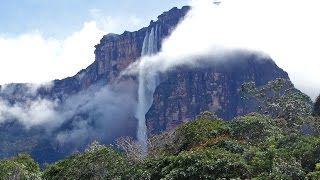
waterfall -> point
(150, 42)
(147, 85)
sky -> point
(62, 17)
(42, 40)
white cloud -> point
(116, 24)
(33, 58)
(29, 113)
(287, 30)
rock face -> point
(181, 95)
(185, 93)
(115, 52)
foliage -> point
(199, 164)
(19, 167)
(102, 163)
(279, 98)
(194, 132)
(316, 173)
(131, 148)
(256, 128)
(162, 144)
(254, 146)
(270, 164)
(206, 115)
(310, 125)
(283, 143)
(306, 149)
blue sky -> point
(42, 40)
(61, 17)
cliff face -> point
(180, 96)
(185, 93)
(115, 52)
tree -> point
(305, 149)
(255, 128)
(194, 133)
(316, 107)
(279, 98)
(316, 173)
(19, 167)
(207, 115)
(97, 162)
(210, 163)
(131, 148)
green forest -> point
(279, 141)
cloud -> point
(29, 113)
(101, 112)
(115, 24)
(28, 107)
(286, 30)
(33, 58)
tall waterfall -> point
(150, 42)
(147, 85)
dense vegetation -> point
(251, 146)
(284, 144)
(20, 167)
